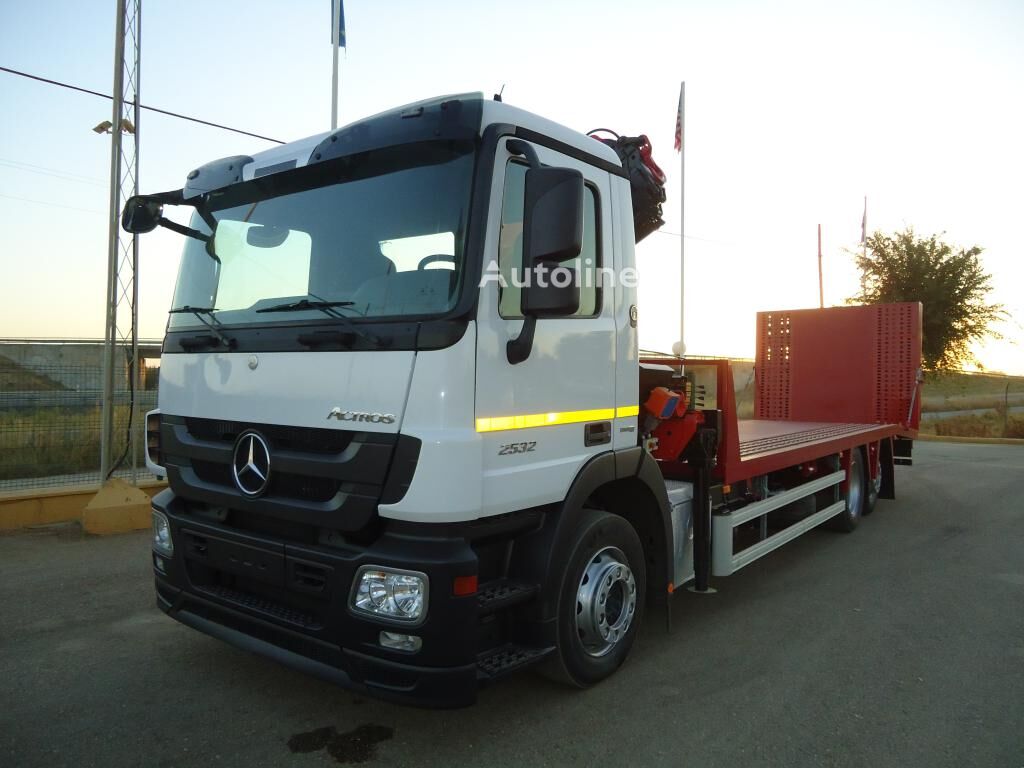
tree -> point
(950, 282)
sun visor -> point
(214, 175)
(450, 118)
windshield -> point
(374, 235)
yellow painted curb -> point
(24, 509)
(117, 507)
(978, 440)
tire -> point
(856, 495)
(873, 487)
(600, 602)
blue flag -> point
(340, 23)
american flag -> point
(679, 123)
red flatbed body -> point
(766, 446)
(826, 381)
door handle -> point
(597, 433)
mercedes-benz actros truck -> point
(410, 440)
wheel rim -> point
(855, 492)
(605, 602)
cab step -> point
(495, 595)
(506, 659)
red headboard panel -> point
(841, 364)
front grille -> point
(281, 438)
(212, 472)
(286, 484)
(304, 486)
(319, 478)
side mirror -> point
(552, 214)
(552, 233)
(553, 292)
(141, 215)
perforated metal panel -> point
(898, 352)
(772, 369)
(851, 365)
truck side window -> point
(510, 247)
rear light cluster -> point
(153, 452)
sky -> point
(795, 111)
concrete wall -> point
(74, 366)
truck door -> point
(542, 419)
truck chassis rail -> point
(724, 561)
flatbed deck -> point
(768, 445)
(752, 447)
(759, 438)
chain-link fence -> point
(50, 405)
(51, 398)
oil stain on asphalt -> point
(356, 746)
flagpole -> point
(864, 229)
(682, 215)
(821, 288)
(336, 43)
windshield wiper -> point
(199, 312)
(327, 307)
(303, 304)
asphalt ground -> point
(901, 644)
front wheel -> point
(601, 601)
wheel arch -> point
(625, 483)
(635, 500)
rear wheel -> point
(856, 495)
(601, 600)
(873, 486)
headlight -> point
(392, 594)
(162, 541)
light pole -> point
(122, 252)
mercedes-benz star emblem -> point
(250, 465)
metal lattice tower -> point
(121, 335)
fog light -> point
(400, 642)
(162, 541)
(390, 593)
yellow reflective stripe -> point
(530, 420)
(527, 421)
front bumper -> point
(394, 681)
(290, 602)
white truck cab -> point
(341, 393)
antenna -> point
(497, 96)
